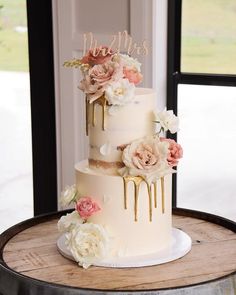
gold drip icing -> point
(87, 114)
(103, 103)
(137, 181)
(93, 114)
(163, 194)
(155, 194)
(149, 187)
(125, 180)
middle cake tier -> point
(111, 131)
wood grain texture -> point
(33, 253)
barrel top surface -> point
(33, 253)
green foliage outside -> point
(209, 36)
(13, 44)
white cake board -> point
(181, 245)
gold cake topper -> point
(120, 42)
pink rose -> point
(97, 56)
(86, 207)
(175, 152)
(133, 75)
(102, 74)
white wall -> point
(143, 19)
(159, 57)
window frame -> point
(176, 77)
(43, 123)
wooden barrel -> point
(31, 265)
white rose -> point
(88, 243)
(68, 195)
(167, 120)
(120, 93)
(128, 61)
(146, 157)
(69, 221)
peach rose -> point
(96, 57)
(133, 75)
(102, 74)
(146, 157)
(86, 207)
(175, 151)
(91, 88)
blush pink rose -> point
(133, 75)
(146, 157)
(86, 207)
(102, 74)
(175, 151)
(97, 57)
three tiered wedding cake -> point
(122, 194)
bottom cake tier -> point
(136, 215)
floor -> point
(206, 175)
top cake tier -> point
(111, 131)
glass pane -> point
(209, 36)
(207, 172)
(16, 186)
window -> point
(202, 91)
(23, 108)
(16, 184)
